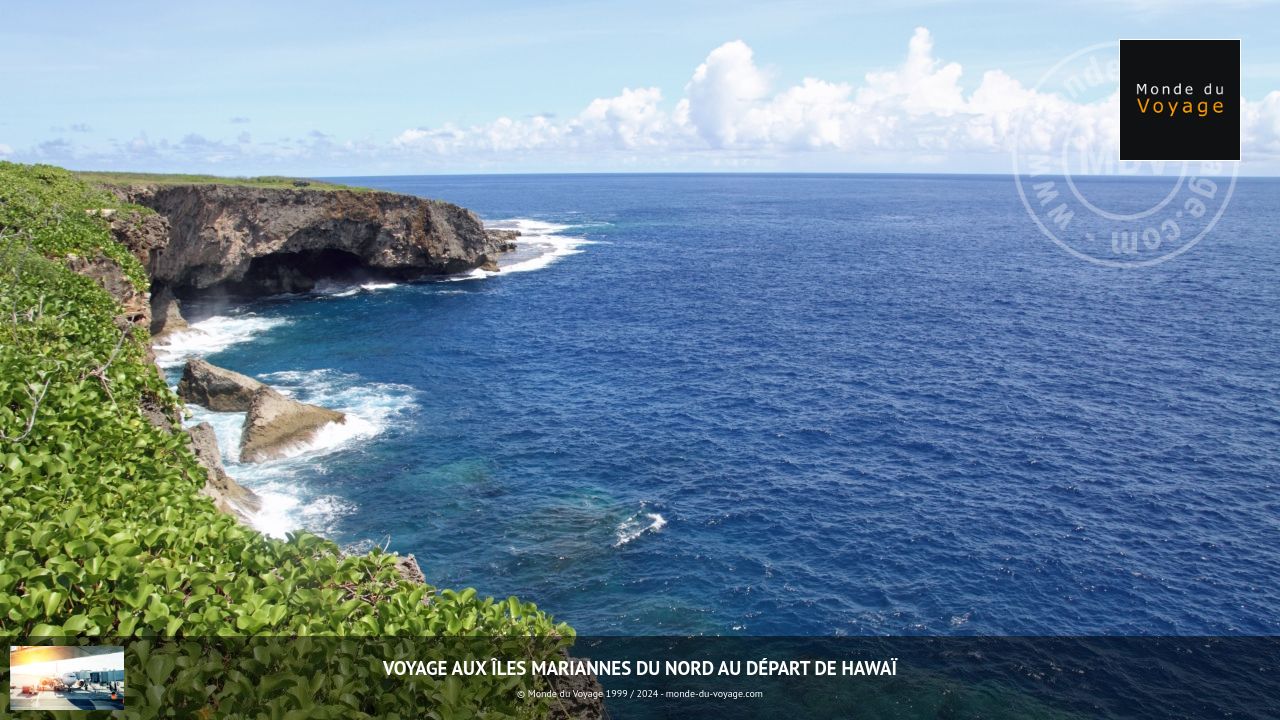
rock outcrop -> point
(144, 234)
(249, 241)
(407, 567)
(228, 495)
(274, 423)
(166, 314)
(107, 273)
(216, 388)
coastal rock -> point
(250, 241)
(216, 388)
(407, 566)
(503, 240)
(228, 495)
(275, 422)
(144, 234)
(135, 304)
(160, 412)
(166, 315)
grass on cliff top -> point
(105, 534)
(277, 182)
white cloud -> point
(915, 108)
(1261, 121)
(723, 92)
(729, 115)
(919, 86)
(630, 120)
(5, 150)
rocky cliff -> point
(249, 241)
(246, 241)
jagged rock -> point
(145, 234)
(103, 270)
(166, 315)
(159, 412)
(216, 388)
(250, 241)
(503, 240)
(228, 495)
(275, 422)
(407, 566)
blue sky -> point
(362, 88)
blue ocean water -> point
(763, 404)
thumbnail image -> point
(86, 677)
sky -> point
(59, 667)
(342, 89)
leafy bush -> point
(104, 533)
(47, 208)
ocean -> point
(796, 405)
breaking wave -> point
(637, 525)
(210, 336)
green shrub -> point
(56, 214)
(103, 531)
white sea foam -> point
(212, 335)
(286, 503)
(637, 525)
(340, 289)
(284, 511)
(540, 244)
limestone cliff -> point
(144, 236)
(251, 241)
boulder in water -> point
(274, 423)
(228, 495)
(216, 388)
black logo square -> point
(1179, 99)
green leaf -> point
(76, 623)
(43, 631)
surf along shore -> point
(122, 522)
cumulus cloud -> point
(921, 85)
(630, 120)
(5, 150)
(729, 112)
(729, 106)
(723, 91)
(1261, 123)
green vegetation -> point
(266, 181)
(43, 208)
(104, 533)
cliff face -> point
(249, 241)
(144, 236)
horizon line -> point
(815, 173)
